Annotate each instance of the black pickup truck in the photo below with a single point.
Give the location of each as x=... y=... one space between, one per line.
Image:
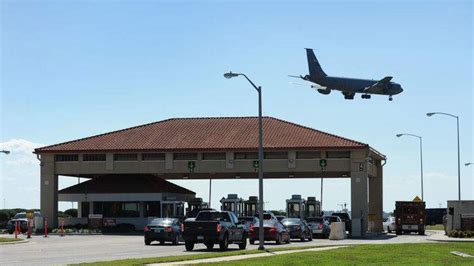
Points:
x=214 y=227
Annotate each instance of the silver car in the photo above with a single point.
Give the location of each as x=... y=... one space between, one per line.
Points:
x=389 y=224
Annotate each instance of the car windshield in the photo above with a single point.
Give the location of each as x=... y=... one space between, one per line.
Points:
x=212 y=216
x=315 y=220
x=332 y=219
x=267 y=216
x=342 y=215
x=163 y=221
x=247 y=219
x=291 y=221
x=269 y=223
x=20 y=216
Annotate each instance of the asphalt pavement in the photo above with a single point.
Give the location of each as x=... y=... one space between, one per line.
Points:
x=56 y=250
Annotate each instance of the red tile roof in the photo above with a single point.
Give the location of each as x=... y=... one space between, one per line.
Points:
x=213 y=134
x=126 y=184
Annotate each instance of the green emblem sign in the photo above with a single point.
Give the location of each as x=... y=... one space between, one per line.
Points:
x=323 y=163
x=255 y=164
x=191 y=165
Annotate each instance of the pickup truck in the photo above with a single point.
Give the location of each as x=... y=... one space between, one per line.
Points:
x=214 y=227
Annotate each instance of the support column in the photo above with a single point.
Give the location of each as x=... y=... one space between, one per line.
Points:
x=141 y=209
x=376 y=200
x=49 y=190
x=359 y=193
x=79 y=209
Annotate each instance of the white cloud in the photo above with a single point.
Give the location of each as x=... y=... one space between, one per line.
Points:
x=19 y=173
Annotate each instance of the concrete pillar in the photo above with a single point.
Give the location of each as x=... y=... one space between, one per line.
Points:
x=376 y=200
x=229 y=160
x=291 y=159
x=359 y=193
x=109 y=161
x=79 y=209
x=141 y=209
x=91 y=207
x=49 y=190
x=168 y=161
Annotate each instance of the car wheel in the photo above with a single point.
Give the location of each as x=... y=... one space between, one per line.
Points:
x=398 y=232
x=388 y=229
x=421 y=233
x=224 y=244
x=252 y=241
x=162 y=242
x=189 y=246
x=310 y=237
x=302 y=239
x=243 y=244
x=209 y=245
x=147 y=242
x=278 y=241
x=176 y=240
x=288 y=240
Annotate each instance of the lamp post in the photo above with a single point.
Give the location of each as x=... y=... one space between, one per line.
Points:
x=260 y=156
x=421 y=157
x=5 y=151
x=459 y=153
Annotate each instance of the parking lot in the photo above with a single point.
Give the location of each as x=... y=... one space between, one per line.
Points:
x=89 y=248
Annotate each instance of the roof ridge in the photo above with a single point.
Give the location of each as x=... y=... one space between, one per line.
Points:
x=319 y=131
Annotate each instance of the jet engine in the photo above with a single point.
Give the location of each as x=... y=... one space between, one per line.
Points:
x=324 y=91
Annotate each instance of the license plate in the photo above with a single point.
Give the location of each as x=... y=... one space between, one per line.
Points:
x=200 y=237
x=317 y=231
x=158 y=230
x=410 y=227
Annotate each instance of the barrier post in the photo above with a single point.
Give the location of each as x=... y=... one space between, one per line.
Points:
x=45 y=227
x=62 y=227
x=16 y=229
x=29 y=229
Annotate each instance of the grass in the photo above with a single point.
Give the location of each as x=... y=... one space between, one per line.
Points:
x=383 y=254
x=435 y=227
x=9 y=239
x=216 y=254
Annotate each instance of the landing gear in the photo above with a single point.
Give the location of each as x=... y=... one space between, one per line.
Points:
x=390 y=98
x=365 y=96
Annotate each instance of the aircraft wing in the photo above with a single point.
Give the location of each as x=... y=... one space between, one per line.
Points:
x=379 y=86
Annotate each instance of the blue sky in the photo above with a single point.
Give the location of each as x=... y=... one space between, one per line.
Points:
x=70 y=70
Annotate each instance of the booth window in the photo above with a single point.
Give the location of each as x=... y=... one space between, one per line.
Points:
x=308 y=154
x=276 y=155
x=184 y=156
x=125 y=157
x=338 y=154
x=152 y=208
x=66 y=157
x=246 y=155
x=153 y=156
x=220 y=156
x=93 y=157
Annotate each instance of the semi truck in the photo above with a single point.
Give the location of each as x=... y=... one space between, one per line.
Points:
x=410 y=216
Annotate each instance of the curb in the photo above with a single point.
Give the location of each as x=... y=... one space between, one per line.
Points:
x=15 y=242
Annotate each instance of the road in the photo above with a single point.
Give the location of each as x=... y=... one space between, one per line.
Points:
x=89 y=248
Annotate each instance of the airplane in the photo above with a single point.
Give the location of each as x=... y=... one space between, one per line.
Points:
x=348 y=86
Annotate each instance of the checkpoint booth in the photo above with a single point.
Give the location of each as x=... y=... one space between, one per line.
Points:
x=196 y=204
x=295 y=207
x=251 y=206
x=313 y=208
x=233 y=204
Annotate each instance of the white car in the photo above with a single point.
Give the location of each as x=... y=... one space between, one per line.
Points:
x=389 y=224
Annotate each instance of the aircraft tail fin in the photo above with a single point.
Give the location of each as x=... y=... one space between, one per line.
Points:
x=315 y=70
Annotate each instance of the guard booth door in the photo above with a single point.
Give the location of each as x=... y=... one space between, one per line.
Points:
x=172 y=209
x=294 y=210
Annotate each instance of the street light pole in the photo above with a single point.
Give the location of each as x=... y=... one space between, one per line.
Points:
x=421 y=157
x=260 y=157
x=459 y=149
